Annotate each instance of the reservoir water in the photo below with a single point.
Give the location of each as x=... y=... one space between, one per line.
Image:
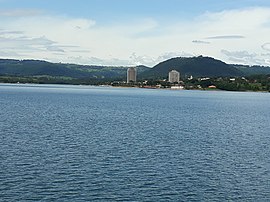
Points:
x=81 y=143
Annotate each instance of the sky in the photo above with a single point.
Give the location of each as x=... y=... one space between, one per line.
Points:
x=135 y=32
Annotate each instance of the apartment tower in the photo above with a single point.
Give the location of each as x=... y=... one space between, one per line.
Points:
x=174 y=76
x=131 y=75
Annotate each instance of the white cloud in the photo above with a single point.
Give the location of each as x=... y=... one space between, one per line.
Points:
x=2 y=33
x=20 y=13
x=238 y=54
x=27 y=44
x=169 y=55
x=139 y=41
x=200 y=42
x=79 y=23
x=266 y=46
x=10 y=54
x=226 y=37
x=244 y=57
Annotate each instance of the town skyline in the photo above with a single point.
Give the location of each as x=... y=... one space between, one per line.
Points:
x=135 y=32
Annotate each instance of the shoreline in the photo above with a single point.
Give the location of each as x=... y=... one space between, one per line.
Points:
x=134 y=87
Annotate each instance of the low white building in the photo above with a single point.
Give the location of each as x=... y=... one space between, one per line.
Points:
x=177 y=87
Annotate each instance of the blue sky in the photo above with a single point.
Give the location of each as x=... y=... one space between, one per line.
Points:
x=104 y=10
x=132 y=32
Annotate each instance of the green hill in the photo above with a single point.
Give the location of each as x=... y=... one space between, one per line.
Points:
x=43 y=68
x=195 y=66
x=253 y=70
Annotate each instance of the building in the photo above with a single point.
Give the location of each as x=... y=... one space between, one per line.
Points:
x=131 y=75
x=174 y=76
x=212 y=87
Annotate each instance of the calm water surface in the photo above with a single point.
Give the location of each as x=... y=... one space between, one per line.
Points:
x=79 y=143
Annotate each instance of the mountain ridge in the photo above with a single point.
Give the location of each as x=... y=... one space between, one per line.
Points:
x=196 y=66
x=41 y=68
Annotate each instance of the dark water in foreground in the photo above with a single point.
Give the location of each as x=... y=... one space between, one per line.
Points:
x=75 y=143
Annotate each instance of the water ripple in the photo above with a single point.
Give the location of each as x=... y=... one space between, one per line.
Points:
x=69 y=143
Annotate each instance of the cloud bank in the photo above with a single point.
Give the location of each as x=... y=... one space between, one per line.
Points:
x=226 y=37
x=266 y=46
x=20 y=13
x=240 y=35
x=200 y=42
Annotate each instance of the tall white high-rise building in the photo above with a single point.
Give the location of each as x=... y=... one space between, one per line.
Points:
x=174 y=76
x=131 y=75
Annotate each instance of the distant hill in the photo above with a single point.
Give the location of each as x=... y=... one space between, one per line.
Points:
x=43 y=68
x=253 y=70
x=195 y=66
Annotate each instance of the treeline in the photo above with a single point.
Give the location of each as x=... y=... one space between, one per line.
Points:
x=53 y=80
x=251 y=83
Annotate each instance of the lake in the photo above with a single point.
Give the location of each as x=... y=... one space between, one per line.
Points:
x=84 y=143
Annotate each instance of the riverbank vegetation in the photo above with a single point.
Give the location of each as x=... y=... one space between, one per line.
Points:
x=250 y=83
